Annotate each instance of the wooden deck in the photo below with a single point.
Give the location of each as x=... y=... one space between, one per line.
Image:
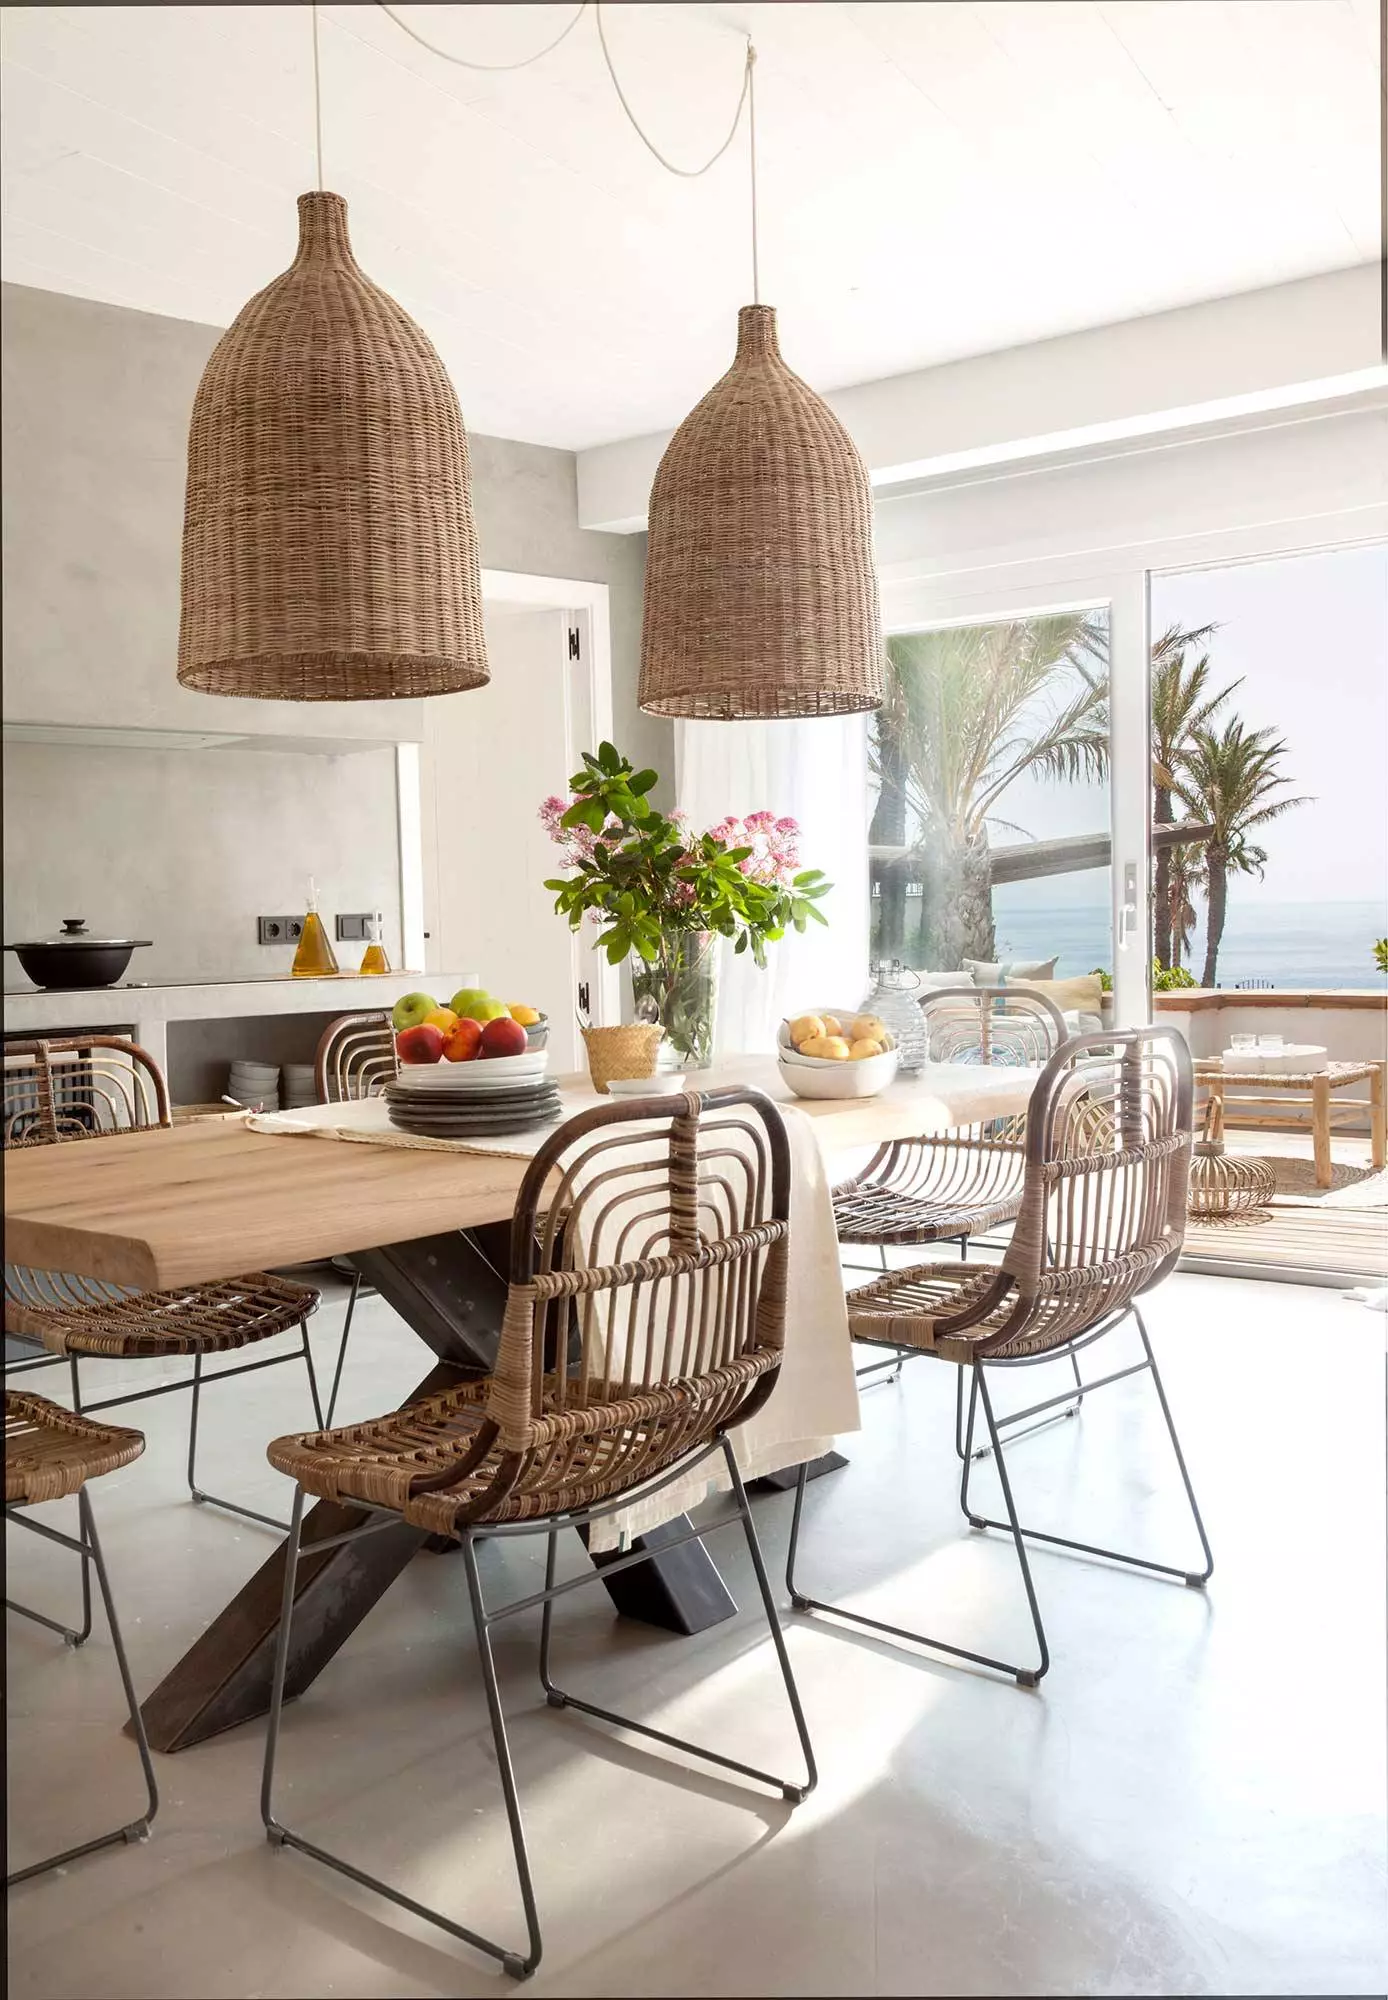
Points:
x=1347 y=1242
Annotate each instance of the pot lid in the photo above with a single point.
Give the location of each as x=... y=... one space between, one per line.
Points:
x=74 y=932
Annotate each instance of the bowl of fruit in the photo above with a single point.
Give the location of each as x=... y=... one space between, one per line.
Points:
x=836 y=1054
x=472 y=1028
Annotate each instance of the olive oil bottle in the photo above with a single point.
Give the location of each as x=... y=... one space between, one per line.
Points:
x=374 y=959
x=315 y=958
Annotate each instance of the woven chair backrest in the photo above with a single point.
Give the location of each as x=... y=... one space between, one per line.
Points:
x=991 y=1024
x=356 y=1058
x=80 y=1087
x=1107 y=1167
x=648 y=1281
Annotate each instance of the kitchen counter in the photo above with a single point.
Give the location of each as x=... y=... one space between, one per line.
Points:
x=149 y=1012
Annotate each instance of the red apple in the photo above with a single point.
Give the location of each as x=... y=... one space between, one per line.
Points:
x=465 y=1042
x=423 y=1044
x=504 y=1037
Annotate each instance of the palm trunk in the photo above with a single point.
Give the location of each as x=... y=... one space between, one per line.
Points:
x=1163 y=814
x=888 y=829
x=1216 y=905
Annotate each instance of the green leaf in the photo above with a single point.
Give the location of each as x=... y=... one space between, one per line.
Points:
x=644 y=781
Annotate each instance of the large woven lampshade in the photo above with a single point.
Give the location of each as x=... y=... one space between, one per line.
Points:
x=761 y=594
x=329 y=552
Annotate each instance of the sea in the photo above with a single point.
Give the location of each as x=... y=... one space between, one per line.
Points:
x=1318 y=945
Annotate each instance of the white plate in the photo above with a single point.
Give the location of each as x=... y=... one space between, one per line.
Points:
x=665 y=1084
x=483 y=1073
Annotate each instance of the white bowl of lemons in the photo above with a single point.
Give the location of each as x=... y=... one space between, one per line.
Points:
x=836 y=1054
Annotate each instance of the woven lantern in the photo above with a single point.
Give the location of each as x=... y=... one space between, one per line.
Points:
x=1221 y=1186
x=329 y=551
x=761 y=595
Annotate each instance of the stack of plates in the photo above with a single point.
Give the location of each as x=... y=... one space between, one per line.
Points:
x=462 y=1100
x=254 y=1083
x=299 y=1089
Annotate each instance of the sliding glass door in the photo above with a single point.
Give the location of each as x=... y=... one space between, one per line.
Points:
x=990 y=846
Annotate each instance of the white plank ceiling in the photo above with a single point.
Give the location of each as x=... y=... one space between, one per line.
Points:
x=937 y=180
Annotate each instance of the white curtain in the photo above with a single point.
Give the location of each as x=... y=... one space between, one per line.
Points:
x=817 y=773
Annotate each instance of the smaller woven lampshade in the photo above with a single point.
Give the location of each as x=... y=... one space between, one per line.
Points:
x=761 y=594
x=329 y=551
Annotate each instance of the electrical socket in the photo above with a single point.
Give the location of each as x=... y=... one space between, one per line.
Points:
x=354 y=928
x=278 y=930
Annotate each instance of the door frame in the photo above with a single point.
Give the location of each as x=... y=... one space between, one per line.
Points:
x=587 y=686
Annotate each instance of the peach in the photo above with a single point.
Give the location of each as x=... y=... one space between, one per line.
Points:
x=420 y=1044
x=465 y=1042
x=504 y=1037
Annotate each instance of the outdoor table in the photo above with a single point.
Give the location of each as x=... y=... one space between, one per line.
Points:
x=1227 y=1086
x=428 y=1228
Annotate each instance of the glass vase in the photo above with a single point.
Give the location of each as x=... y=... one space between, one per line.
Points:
x=679 y=989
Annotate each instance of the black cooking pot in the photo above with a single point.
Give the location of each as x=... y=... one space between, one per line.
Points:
x=76 y=959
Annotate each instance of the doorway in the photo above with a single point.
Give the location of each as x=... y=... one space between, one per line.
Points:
x=488 y=759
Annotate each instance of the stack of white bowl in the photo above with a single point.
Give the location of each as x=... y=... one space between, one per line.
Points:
x=298 y=1088
x=254 y=1084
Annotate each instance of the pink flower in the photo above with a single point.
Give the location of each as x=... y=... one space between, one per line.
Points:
x=759 y=822
x=788 y=826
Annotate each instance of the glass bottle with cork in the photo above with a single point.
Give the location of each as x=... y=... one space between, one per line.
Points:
x=315 y=957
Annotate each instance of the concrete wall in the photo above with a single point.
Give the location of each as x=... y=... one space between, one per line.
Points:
x=96 y=401
x=188 y=847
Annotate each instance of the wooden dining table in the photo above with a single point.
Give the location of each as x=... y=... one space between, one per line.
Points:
x=429 y=1229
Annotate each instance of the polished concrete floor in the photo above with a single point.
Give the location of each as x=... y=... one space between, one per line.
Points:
x=1193 y=1802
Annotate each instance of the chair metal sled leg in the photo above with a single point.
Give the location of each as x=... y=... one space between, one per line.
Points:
x=1061 y=1407
x=342 y=1349
x=558 y=1698
x=517 y=1965
x=1195 y=1579
x=88 y=1547
x=1027 y=1677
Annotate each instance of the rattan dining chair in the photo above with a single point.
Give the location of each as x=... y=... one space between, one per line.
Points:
x=95 y=1088
x=355 y=1059
x=1102 y=1218
x=50 y=1454
x=949 y=1186
x=645 y=1321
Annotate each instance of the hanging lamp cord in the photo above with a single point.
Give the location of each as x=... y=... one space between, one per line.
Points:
x=317 y=101
x=747 y=97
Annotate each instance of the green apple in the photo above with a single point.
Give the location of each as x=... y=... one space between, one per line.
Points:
x=411 y=1009
x=467 y=1000
x=488 y=1010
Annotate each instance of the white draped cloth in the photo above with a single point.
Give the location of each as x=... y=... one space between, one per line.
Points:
x=815 y=772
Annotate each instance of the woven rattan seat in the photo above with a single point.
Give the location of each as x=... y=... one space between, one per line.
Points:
x=961 y=1183
x=81 y=1090
x=383 y=1463
x=868 y=1214
x=50 y=1453
x=74 y=1315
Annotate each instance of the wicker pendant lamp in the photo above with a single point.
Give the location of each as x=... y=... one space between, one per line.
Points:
x=329 y=551
x=761 y=593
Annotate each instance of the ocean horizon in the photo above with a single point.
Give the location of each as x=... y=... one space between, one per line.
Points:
x=1327 y=945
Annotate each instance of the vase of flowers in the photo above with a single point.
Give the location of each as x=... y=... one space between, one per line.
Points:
x=663 y=895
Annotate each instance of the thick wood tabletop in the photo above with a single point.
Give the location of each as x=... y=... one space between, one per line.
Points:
x=206 y=1201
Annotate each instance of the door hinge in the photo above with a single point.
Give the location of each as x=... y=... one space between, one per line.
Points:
x=573 y=642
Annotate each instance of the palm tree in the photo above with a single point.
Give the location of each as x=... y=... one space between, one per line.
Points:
x=1182 y=702
x=1231 y=780
x=967 y=710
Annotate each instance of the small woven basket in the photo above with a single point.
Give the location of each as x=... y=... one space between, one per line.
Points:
x=621 y=1052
